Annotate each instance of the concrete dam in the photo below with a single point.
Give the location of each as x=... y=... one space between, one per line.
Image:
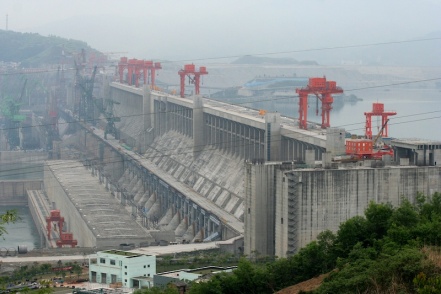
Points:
x=181 y=169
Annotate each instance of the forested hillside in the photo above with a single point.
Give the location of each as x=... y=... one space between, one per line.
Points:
x=34 y=50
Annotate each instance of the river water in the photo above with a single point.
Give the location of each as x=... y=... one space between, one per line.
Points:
x=23 y=232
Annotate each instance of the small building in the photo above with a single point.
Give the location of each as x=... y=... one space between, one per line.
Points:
x=118 y=268
x=185 y=275
x=417 y=152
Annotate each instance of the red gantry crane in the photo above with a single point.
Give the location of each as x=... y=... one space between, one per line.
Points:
x=377 y=110
x=323 y=90
x=134 y=69
x=189 y=71
x=149 y=71
x=65 y=238
x=368 y=148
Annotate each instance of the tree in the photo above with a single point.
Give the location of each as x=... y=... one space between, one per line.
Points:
x=77 y=269
x=10 y=216
x=351 y=232
x=156 y=290
x=45 y=268
x=425 y=285
x=378 y=216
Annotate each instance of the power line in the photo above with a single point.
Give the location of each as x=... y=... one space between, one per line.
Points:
x=315 y=49
x=262 y=54
x=234 y=104
x=212 y=147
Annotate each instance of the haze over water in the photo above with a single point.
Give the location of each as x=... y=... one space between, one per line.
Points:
x=418 y=112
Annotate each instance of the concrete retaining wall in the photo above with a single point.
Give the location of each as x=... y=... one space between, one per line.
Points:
x=13 y=192
x=23 y=156
x=326 y=198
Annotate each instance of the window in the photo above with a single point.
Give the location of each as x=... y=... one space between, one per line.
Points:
x=112 y=262
x=125 y=273
x=125 y=266
x=102 y=260
x=148 y=265
x=144 y=266
x=281 y=220
x=125 y=280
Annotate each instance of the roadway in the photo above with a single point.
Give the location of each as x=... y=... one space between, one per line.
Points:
x=152 y=250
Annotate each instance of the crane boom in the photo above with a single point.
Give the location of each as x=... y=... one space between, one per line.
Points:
x=379 y=133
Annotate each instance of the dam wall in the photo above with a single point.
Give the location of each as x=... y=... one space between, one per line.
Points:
x=23 y=156
x=39 y=209
x=13 y=192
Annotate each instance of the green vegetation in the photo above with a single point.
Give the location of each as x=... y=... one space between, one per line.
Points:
x=388 y=250
x=34 y=50
x=155 y=290
x=41 y=273
x=8 y=217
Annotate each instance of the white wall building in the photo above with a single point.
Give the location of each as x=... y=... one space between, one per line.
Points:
x=128 y=269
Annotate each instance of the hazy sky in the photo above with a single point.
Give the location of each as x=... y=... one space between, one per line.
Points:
x=192 y=29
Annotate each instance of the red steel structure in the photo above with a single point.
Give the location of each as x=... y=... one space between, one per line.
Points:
x=190 y=70
x=122 y=65
x=323 y=90
x=149 y=71
x=134 y=69
x=377 y=110
x=65 y=238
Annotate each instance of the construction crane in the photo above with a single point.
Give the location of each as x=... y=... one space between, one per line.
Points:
x=11 y=112
x=190 y=71
x=323 y=90
x=86 y=108
x=52 y=130
x=374 y=142
x=368 y=148
x=108 y=112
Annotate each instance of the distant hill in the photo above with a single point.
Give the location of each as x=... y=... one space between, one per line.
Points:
x=34 y=50
x=422 y=50
x=249 y=59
